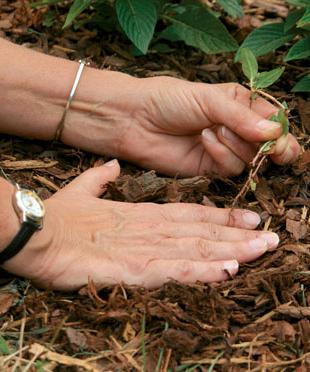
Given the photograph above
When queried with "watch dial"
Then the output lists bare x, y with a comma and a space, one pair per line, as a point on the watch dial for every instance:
31, 204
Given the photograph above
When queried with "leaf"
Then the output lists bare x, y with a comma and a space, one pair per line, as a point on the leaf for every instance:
232, 7
249, 64
253, 185
266, 39
267, 146
199, 28
302, 3
137, 19
282, 118
305, 19
292, 19
267, 78
303, 85
299, 50
76, 8
4, 348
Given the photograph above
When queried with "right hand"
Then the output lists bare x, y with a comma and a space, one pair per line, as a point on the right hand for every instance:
144, 244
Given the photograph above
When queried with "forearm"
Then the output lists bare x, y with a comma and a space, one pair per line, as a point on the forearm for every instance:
34, 88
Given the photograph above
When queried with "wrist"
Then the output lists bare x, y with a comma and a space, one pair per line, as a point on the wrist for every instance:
100, 111
25, 260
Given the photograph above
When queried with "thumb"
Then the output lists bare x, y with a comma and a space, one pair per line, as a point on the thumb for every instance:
239, 118
93, 180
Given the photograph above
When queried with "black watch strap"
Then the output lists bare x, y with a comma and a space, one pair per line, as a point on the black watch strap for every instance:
20, 240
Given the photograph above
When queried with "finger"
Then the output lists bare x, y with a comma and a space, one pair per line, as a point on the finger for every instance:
199, 249
243, 95
242, 120
186, 212
93, 180
237, 145
286, 150
226, 162
162, 235
159, 272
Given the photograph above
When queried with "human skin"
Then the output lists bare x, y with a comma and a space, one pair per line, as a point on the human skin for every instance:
173, 126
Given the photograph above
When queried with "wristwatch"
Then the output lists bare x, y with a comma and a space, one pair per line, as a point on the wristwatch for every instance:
30, 210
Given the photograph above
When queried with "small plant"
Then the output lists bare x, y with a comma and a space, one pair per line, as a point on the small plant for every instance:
190, 21
272, 36
258, 81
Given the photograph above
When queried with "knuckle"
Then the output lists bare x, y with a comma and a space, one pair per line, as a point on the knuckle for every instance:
185, 268
200, 213
203, 249
213, 231
137, 266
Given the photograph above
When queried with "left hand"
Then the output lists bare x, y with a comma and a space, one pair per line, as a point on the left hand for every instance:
184, 128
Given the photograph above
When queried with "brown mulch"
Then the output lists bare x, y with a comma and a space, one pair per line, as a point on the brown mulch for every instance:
257, 321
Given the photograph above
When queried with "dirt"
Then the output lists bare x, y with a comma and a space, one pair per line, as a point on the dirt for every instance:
257, 321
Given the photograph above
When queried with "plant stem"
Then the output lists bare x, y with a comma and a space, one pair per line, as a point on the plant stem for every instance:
270, 97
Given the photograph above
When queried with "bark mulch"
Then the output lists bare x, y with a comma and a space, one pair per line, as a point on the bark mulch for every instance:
257, 321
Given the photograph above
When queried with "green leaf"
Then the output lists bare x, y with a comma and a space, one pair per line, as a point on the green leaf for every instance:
305, 19
302, 3
267, 146
232, 7
292, 19
266, 39
300, 50
267, 78
4, 348
137, 19
76, 8
282, 118
303, 85
249, 64
199, 28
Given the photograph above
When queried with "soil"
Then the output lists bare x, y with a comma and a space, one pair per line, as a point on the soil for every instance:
257, 321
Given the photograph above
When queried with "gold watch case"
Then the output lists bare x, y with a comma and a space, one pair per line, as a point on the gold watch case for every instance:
29, 206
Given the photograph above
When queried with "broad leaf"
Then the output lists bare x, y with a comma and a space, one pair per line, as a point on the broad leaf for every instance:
292, 19
305, 19
232, 7
138, 19
76, 8
267, 78
199, 28
249, 64
303, 85
266, 39
299, 50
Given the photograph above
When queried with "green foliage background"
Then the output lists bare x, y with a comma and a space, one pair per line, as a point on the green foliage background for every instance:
192, 22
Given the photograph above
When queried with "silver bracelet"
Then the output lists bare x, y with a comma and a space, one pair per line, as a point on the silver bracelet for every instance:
61, 124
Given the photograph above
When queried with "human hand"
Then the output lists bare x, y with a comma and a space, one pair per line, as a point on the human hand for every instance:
144, 244
186, 128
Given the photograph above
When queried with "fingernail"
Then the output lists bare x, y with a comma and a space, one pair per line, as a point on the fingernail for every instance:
287, 156
209, 136
251, 218
228, 134
268, 125
111, 163
259, 245
231, 266
272, 239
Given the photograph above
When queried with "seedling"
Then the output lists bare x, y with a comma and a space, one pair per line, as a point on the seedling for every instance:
257, 82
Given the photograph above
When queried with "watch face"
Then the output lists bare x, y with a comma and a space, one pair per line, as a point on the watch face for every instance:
30, 204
